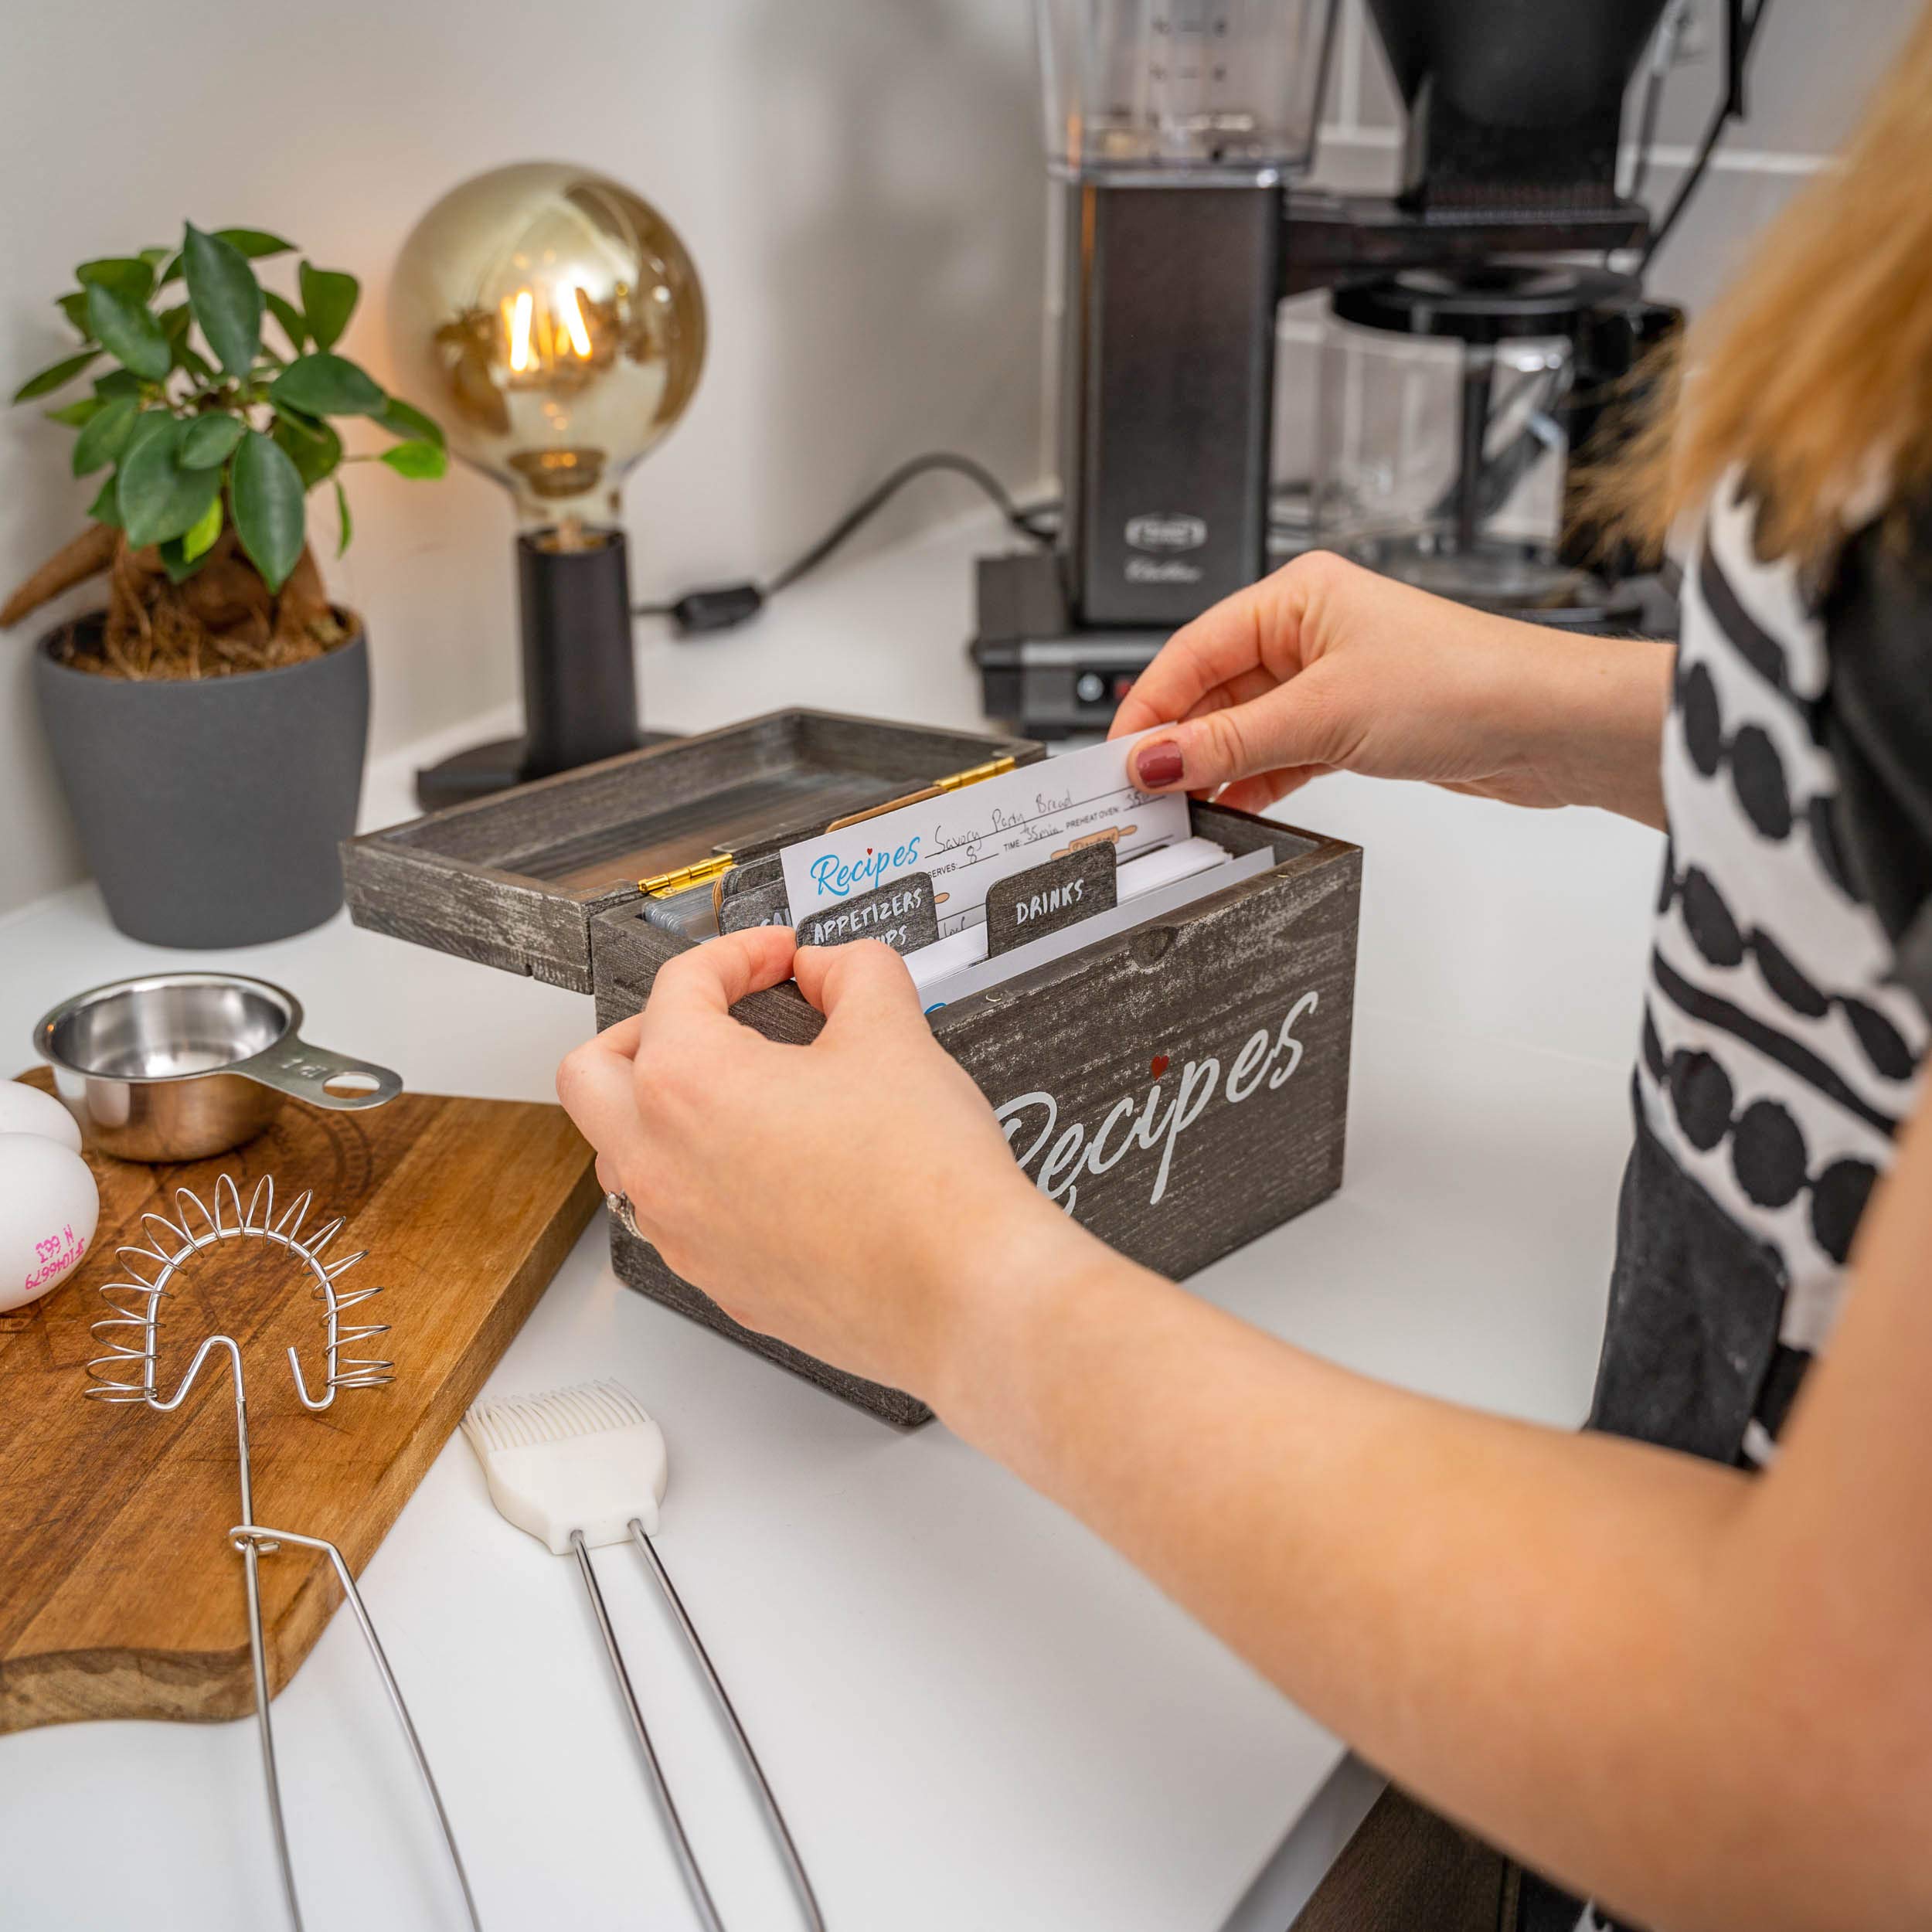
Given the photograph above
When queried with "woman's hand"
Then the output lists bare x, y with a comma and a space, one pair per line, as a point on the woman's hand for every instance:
1327, 667
854, 1197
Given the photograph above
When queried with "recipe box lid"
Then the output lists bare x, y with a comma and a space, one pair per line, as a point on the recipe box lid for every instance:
514, 880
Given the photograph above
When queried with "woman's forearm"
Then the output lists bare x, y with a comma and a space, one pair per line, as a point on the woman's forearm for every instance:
1590, 714
1506, 1618
1324, 666
1706, 1697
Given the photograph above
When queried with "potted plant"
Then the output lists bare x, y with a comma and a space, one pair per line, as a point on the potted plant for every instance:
208, 726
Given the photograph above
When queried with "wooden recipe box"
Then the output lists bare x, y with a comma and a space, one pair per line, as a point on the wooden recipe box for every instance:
1179, 1087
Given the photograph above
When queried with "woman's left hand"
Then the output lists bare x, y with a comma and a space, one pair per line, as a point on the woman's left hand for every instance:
854, 1197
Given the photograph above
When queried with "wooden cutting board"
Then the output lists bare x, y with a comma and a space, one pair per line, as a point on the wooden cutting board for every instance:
119, 1595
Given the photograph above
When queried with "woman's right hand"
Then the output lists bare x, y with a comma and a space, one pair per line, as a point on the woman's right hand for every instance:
1327, 667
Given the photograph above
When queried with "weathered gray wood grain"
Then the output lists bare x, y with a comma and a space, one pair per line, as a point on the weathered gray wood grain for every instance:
512, 881
903, 914
1190, 1017
1094, 1058
752, 894
491, 917
1026, 905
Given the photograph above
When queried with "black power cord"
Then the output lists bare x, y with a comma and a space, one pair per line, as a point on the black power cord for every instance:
1730, 106
720, 606
1653, 101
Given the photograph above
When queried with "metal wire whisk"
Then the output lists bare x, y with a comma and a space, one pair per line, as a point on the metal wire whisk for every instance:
125, 1373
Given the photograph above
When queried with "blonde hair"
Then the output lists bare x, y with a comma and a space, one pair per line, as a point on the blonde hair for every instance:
1815, 370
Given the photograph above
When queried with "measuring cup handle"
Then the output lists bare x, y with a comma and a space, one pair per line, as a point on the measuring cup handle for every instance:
292, 1066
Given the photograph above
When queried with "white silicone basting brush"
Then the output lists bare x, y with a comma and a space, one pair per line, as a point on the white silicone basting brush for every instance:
583, 1467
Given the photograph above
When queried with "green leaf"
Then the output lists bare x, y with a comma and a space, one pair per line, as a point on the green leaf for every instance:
127, 332
197, 492
210, 440
76, 415
285, 312
254, 242
329, 300
266, 489
128, 276
153, 257
104, 438
175, 324
200, 537
106, 507
404, 418
54, 376
347, 529
149, 422
326, 385
175, 559
312, 447
147, 475
117, 381
226, 296
74, 307
422, 460
159, 498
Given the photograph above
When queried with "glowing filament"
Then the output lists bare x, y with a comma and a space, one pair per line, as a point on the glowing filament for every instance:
520, 358
573, 308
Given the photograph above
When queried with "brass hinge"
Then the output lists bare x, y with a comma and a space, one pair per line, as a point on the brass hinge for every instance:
662, 884
993, 768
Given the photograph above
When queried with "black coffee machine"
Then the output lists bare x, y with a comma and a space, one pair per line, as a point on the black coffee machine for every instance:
1179, 131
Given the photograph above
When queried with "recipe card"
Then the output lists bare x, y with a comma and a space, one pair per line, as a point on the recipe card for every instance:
966, 839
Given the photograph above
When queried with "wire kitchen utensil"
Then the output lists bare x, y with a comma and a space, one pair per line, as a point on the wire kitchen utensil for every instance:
583, 1467
126, 1373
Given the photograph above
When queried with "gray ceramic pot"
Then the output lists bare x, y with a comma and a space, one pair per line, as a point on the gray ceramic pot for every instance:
210, 810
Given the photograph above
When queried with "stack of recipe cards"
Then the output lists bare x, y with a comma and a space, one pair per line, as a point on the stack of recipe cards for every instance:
976, 885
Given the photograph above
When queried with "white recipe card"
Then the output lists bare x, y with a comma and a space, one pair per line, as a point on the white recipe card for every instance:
968, 838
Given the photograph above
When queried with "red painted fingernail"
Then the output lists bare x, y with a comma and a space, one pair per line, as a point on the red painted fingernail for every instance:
1157, 765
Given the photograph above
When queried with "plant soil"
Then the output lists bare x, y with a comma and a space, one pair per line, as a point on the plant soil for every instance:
221, 620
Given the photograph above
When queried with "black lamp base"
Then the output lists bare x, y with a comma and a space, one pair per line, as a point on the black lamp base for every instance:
485, 769
579, 680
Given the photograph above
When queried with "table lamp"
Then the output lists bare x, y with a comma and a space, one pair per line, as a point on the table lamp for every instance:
552, 321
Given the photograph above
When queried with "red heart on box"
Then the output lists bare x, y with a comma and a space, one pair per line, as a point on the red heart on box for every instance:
1158, 1066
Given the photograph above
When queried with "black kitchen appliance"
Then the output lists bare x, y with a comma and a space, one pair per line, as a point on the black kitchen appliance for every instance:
1180, 133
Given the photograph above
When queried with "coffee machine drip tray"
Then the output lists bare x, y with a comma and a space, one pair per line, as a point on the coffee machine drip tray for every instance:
1515, 577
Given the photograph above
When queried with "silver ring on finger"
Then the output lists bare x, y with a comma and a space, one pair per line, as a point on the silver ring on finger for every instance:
623, 1213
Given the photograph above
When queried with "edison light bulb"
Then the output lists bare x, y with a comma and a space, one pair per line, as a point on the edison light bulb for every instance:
551, 320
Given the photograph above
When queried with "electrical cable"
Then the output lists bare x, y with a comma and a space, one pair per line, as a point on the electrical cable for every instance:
1663, 56
720, 606
1720, 119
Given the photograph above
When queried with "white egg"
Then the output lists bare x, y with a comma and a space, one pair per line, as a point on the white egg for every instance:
49, 1206
25, 1109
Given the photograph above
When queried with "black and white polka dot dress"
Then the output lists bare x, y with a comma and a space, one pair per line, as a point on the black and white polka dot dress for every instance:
1785, 1016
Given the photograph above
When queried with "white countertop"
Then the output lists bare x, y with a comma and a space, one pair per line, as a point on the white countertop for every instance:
975, 1713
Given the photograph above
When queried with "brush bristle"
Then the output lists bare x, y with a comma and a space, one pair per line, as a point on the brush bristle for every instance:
522, 1422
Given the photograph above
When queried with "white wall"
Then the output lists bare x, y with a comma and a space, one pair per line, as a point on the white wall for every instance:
858, 181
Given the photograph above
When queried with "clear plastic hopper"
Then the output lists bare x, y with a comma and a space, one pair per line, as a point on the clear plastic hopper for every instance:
1182, 83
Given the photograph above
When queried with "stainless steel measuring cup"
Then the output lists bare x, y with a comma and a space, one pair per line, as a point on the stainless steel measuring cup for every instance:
175, 1066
